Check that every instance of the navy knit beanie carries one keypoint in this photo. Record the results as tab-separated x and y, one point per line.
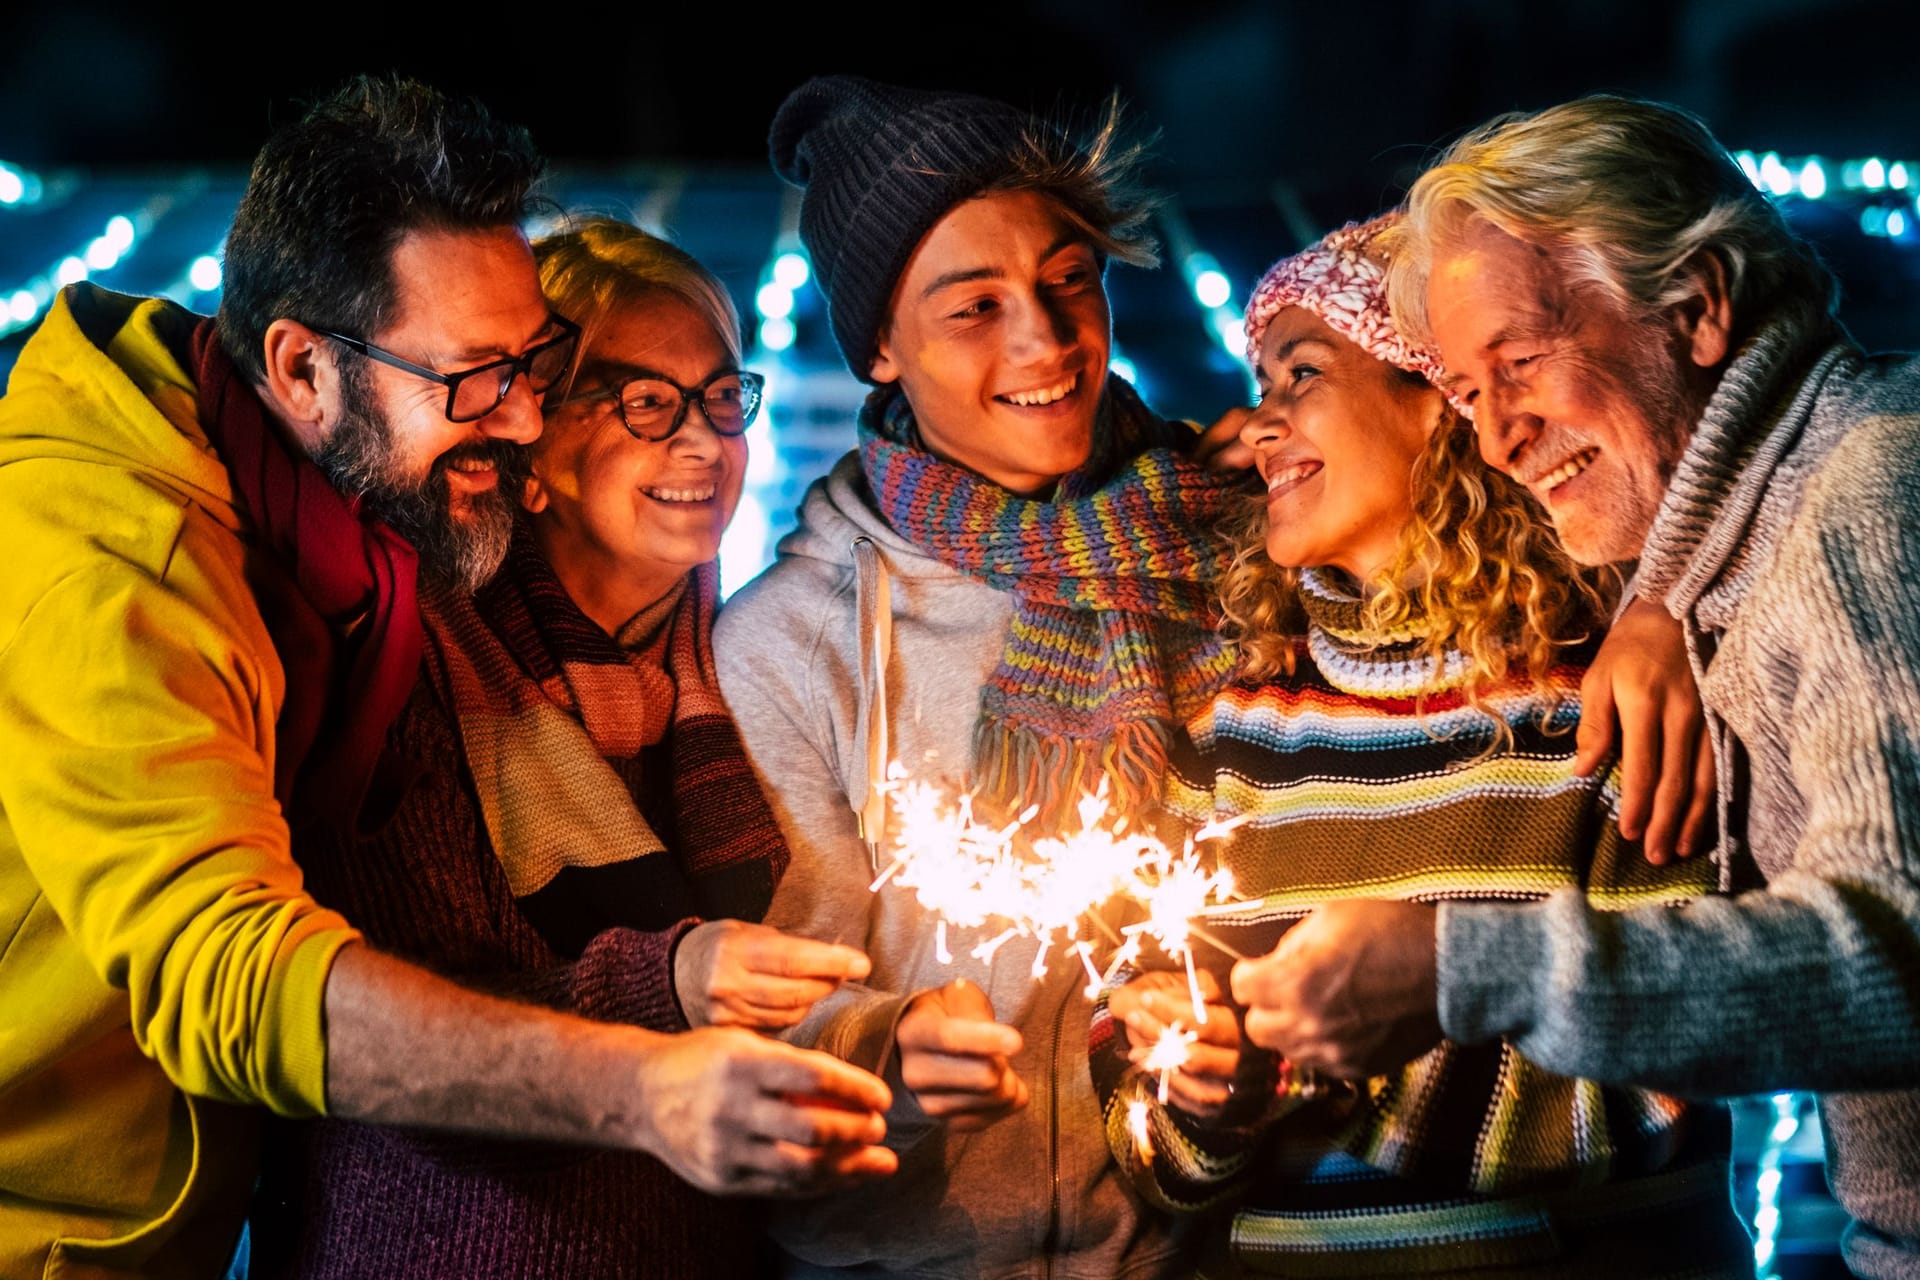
880	164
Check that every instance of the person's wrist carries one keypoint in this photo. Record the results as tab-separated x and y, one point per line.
683	963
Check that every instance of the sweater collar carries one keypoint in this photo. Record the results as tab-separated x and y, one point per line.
1360	657
1753	419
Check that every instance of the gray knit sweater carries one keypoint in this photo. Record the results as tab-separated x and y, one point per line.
816	696
1789	544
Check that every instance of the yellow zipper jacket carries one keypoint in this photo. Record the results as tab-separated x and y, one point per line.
158	955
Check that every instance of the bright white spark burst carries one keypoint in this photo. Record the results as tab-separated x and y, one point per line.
1137	1126
1169	1054
973	876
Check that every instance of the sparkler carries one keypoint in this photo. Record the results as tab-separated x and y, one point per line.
1169	1054
1137	1126
972	875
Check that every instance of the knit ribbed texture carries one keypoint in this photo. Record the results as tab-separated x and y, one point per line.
1113	639
552	712
1341	278
1350	792
1789	542
353	1201
880	164
392	1204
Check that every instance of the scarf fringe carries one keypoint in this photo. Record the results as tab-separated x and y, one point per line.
1017	766
1113	582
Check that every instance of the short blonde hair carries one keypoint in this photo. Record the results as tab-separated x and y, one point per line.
1629	191
594	266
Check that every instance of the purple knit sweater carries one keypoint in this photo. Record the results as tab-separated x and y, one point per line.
344	1199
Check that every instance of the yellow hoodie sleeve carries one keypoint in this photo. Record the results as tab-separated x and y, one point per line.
136	723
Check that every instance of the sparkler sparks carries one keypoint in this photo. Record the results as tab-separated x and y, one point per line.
1169	1054
1137	1126
971	875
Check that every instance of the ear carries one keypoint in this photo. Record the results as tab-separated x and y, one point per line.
302	383
1434	413
883	368
1704	318
533	495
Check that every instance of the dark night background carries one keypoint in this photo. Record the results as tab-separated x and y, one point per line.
1276	121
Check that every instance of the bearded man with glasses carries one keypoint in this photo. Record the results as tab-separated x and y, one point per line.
211	629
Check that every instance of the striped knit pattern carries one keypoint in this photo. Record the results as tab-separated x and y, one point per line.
1112	642
1350	791
552	714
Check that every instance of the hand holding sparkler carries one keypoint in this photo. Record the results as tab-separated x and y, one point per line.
957	1060
1351	990
735	973
1153	1005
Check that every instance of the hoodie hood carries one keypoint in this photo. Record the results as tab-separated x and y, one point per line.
837	510
115	368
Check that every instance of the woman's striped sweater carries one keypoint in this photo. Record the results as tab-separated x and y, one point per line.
1350	785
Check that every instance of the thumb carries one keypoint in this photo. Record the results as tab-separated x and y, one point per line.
966	1000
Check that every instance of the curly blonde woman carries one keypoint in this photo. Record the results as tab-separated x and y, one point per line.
1413	641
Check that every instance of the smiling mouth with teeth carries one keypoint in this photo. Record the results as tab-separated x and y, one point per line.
1289	476
1042	395
1565	471
681	495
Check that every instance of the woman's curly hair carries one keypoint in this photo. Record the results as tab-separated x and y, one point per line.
1478	562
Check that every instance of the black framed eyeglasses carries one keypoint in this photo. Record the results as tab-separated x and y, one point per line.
474	393
652	407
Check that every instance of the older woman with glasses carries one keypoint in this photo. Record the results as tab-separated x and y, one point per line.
586	831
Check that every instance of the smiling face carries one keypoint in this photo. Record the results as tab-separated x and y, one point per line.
1335	436
999	334
463	299
623	519
1588	407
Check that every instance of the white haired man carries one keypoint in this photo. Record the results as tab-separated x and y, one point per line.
1646	344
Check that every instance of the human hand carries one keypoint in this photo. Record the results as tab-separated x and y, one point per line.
957	1059
735	1113
1351	991
1641	682
1220	446
1151	1003
734	973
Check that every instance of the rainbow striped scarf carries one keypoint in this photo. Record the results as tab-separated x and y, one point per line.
1113	640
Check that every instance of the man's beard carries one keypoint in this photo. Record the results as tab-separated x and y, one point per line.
461	551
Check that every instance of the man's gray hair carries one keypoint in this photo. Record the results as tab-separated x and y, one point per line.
1628	191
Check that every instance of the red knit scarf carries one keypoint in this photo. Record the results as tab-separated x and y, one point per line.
337	594
545	700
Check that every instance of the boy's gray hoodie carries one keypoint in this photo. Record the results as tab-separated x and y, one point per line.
819	688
